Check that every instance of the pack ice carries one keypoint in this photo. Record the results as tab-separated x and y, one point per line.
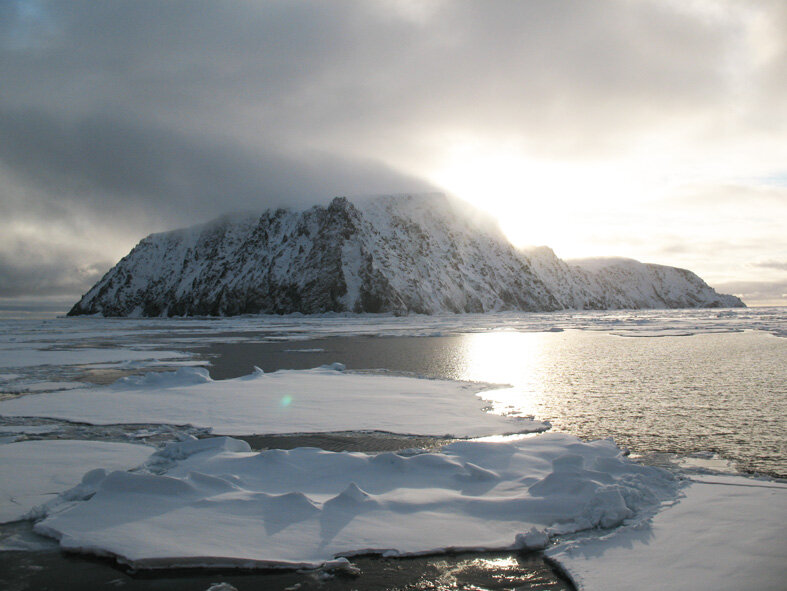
213	502
287	401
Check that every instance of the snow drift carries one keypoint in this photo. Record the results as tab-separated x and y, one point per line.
425	254
214	503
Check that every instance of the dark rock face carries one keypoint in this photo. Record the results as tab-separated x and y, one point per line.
400	254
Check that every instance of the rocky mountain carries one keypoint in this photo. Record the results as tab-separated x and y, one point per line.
424	254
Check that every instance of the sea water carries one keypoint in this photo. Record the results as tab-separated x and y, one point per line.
675	381
700	394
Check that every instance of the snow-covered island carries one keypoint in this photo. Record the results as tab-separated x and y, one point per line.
426	254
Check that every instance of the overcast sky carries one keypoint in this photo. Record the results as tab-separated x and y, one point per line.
655	129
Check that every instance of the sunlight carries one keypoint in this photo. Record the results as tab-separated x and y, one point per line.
513	358
537	202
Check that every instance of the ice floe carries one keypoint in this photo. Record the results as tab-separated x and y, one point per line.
288	401
23	387
718	536
726	533
20	358
213	502
35	472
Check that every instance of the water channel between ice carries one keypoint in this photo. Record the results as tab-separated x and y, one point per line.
723	393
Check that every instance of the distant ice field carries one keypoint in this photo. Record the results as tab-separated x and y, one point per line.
675	381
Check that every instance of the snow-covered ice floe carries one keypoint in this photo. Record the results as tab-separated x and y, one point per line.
287	401
20	357
23	387
32	473
214	503
726	533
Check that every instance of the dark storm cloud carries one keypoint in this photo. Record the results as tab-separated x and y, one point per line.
136	106
24	272
299	73
112	162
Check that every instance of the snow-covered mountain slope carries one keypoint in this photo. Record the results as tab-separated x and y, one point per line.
425	254
642	285
614	283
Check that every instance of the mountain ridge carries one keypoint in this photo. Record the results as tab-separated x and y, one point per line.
426	254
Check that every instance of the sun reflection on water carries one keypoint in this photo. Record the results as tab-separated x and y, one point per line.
513	358
721	393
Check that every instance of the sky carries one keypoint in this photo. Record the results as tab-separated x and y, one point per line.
650	129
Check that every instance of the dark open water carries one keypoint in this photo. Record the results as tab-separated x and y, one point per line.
53	571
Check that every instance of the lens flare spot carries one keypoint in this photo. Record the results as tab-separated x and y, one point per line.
285	401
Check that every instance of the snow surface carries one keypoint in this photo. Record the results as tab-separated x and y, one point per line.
215	503
25	357
727	533
43	386
287	401
34	472
615	283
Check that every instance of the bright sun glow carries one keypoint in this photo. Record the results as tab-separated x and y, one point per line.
513	358
536	201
